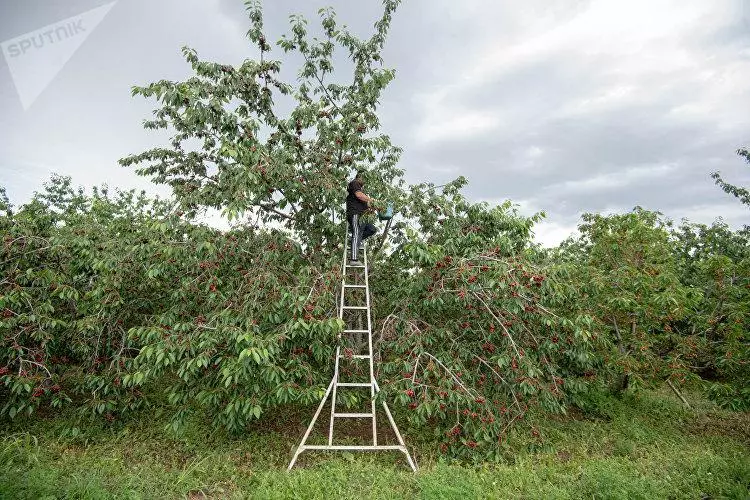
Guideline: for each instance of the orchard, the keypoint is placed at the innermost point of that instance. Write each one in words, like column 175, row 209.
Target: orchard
column 115, row 304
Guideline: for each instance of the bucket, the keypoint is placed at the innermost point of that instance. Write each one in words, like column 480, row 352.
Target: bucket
column 388, row 214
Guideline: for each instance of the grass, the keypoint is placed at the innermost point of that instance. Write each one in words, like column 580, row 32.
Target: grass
column 643, row 446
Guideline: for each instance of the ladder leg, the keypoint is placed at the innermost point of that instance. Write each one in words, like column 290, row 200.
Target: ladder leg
column 369, row 351
column 396, row 431
column 412, row 464
column 335, row 379
column 333, row 398
column 301, row 446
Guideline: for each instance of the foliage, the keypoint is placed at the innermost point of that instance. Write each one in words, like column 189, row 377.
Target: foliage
column 673, row 301
column 738, row 192
column 104, row 295
column 473, row 338
column 246, row 325
column 62, row 331
column 716, row 261
column 114, row 303
column 121, row 297
column 290, row 171
column 629, row 282
column 233, row 150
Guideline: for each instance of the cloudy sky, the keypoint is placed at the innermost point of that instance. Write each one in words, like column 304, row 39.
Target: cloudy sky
column 566, row 106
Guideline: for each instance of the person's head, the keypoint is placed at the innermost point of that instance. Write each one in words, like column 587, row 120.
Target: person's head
column 359, row 178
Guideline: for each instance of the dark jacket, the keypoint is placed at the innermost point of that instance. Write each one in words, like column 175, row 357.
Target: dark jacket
column 354, row 206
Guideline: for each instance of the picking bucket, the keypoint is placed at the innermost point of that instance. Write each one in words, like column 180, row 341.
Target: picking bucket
column 388, row 214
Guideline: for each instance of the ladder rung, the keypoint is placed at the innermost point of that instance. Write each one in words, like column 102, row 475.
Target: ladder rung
column 356, row 307
column 355, row 356
column 349, row 265
column 356, row 331
column 353, row 447
column 355, row 286
column 352, row 415
column 354, row 384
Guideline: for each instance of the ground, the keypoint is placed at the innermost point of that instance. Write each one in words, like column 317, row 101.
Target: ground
column 644, row 445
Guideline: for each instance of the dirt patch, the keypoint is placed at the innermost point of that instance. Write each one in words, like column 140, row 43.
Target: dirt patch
column 347, row 431
column 734, row 425
column 575, row 413
column 291, row 424
column 207, row 494
column 350, row 430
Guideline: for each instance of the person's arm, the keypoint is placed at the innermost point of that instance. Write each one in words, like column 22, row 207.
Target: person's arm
column 363, row 197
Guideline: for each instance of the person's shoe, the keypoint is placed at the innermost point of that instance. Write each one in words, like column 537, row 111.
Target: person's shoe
column 354, row 263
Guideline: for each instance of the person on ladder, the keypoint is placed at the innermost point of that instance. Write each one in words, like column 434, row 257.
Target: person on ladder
column 357, row 204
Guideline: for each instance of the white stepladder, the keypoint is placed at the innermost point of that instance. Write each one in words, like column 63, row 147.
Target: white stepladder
column 335, row 383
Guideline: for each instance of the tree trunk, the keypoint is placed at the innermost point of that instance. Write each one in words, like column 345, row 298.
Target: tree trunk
column 625, row 380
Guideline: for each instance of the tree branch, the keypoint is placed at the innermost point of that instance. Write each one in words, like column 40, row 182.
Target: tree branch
column 272, row 208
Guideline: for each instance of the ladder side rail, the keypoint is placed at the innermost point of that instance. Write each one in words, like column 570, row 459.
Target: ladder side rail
column 338, row 349
column 395, row 429
column 369, row 346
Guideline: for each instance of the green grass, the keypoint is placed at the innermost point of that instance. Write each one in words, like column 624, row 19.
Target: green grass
column 643, row 446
